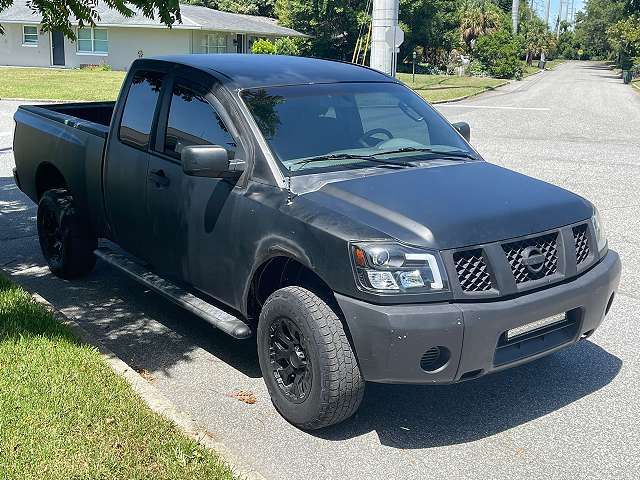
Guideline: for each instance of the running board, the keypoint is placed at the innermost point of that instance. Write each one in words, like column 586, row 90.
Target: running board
column 218, row 318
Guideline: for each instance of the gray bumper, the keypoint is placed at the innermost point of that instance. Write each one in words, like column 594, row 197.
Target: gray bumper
column 391, row 340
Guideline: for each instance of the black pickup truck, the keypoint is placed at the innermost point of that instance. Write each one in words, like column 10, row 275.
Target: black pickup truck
column 324, row 207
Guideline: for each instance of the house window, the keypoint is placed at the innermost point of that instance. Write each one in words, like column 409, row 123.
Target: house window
column 30, row 35
column 93, row 40
column 215, row 43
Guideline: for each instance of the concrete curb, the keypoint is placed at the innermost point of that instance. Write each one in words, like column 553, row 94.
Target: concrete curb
column 156, row 401
column 464, row 97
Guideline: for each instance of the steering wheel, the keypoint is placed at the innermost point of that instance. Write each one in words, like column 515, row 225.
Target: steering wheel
column 368, row 137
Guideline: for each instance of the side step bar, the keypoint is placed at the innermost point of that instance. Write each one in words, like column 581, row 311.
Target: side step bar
column 218, row 318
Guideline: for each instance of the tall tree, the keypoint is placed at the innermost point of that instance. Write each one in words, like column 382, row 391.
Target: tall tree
column 477, row 18
column 332, row 24
column 59, row 14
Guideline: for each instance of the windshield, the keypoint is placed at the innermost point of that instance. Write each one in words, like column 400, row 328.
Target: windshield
column 324, row 128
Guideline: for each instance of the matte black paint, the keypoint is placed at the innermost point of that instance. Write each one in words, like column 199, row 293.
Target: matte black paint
column 213, row 234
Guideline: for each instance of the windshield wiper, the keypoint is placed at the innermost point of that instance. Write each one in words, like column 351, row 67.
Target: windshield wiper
column 455, row 153
column 349, row 156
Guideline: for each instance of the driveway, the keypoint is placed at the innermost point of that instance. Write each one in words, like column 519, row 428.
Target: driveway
column 575, row 414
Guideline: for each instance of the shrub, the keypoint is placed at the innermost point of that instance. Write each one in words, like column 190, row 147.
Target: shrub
column 263, row 46
column 499, row 54
column 477, row 69
column 286, row 46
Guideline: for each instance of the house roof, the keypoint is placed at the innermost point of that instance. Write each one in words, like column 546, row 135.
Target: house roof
column 193, row 18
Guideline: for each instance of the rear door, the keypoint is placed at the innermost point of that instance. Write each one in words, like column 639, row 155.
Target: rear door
column 127, row 160
column 189, row 116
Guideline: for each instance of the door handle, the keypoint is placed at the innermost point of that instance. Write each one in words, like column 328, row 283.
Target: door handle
column 159, row 178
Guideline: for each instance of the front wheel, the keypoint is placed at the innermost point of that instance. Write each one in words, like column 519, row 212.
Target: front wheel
column 306, row 359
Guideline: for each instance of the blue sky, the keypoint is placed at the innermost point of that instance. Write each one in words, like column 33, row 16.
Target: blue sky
column 555, row 5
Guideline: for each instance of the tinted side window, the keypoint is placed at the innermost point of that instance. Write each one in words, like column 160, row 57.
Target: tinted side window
column 193, row 121
column 139, row 108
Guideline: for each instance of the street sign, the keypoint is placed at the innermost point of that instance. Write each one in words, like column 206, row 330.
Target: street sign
column 393, row 36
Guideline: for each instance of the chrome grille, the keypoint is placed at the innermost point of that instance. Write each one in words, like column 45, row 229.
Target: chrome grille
column 472, row 271
column 547, row 245
column 581, row 240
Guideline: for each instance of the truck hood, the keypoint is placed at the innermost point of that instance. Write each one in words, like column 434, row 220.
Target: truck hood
column 453, row 206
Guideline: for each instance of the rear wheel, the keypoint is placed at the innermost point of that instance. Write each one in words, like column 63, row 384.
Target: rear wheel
column 307, row 362
column 66, row 238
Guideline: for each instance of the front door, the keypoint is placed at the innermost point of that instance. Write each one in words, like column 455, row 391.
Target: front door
column 240, row 43
column 171, row 195
column 57, row 48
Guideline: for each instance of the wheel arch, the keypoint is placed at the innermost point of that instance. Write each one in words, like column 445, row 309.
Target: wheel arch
column 48, row 177
column 284, row 269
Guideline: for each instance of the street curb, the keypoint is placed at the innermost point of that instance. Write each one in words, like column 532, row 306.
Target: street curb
column 154, row 399
column 464, row 97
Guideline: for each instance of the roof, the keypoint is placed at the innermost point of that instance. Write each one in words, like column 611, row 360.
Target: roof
column 251, row 70
column 193, row 18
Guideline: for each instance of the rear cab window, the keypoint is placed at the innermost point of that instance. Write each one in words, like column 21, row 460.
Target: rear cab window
column 139, row 108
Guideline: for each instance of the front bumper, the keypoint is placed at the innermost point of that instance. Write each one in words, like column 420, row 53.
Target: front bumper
column 390, row 341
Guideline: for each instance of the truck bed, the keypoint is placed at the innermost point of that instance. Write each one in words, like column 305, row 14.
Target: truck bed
column 66, row 138
column 92, row 117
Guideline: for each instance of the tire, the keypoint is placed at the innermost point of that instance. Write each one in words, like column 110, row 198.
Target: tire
column 297, row 324
column 66, row 238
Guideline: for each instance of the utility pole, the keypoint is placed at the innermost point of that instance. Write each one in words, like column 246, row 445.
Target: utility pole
column 385, row 35
column 547, row 12
column 559, row 18
column 515, row 15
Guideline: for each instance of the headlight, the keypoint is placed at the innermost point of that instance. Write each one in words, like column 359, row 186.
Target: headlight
column 598, row 227
column 395, row 268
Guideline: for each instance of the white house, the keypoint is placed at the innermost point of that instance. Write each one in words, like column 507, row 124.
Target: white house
column 117, row 40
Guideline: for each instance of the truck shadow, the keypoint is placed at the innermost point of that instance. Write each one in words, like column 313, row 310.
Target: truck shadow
column 142, row 328
column 412, row 417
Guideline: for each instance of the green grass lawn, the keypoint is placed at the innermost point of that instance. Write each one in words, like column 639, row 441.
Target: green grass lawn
column 64, row 413
column 440, row 88
column 58, row 84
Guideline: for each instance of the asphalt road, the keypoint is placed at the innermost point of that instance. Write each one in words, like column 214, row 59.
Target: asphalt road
column 573, row 415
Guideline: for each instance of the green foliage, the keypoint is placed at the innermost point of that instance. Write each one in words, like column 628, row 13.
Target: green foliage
column 592, row 25
column 287, row 46
column 247, row 7
column 333, row 25
column 58, row 14
column 536, row 38
column 478, row 18
column 263, row 46
column 624, row 36
column 431, row 29
column 499, row 54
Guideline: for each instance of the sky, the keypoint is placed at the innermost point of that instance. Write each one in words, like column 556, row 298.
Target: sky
column 541, row 5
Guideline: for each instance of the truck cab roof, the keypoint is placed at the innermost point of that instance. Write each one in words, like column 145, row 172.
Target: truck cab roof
column 251, row 70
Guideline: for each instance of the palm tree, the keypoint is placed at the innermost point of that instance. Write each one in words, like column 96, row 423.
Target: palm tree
column 477, row 18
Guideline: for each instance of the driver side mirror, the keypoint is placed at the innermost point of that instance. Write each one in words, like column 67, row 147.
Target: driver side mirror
column 209, row 161
column 463, row 129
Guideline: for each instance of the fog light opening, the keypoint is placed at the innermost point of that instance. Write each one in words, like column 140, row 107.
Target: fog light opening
column 435, row 359
column 609, row 303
